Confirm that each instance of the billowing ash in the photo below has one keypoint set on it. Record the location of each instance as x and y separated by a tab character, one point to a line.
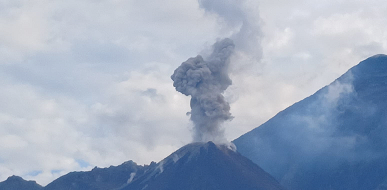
205	80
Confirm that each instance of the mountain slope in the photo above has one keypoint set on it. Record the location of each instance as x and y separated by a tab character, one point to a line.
197	166
98	179
334	139
18	183
202	166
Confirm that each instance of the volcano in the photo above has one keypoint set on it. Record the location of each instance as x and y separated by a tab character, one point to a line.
334	139
196	166
201	166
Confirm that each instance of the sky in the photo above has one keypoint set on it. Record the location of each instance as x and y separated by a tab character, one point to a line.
88	83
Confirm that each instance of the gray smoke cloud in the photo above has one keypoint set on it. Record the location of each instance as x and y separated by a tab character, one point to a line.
205	80
242	19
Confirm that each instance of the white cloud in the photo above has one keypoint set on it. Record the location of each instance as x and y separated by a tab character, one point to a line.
89	81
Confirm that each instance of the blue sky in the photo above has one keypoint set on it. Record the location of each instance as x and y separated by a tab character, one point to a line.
87	83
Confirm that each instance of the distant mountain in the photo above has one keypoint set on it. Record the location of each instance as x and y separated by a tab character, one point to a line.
205	166
110	178
334	139
18	183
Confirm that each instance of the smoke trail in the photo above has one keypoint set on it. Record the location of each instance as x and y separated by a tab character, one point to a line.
241	18
205	80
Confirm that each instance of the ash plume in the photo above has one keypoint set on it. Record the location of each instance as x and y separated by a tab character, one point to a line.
205	80
241	18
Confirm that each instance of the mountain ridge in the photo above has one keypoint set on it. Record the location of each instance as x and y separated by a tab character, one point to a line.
205	166
18	183
338	129
196	166
113	177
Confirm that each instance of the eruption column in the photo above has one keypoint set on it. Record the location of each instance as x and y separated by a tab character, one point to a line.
205	81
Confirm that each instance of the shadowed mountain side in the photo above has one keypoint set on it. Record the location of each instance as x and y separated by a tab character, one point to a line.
334	139
98	179
201	166
18	183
